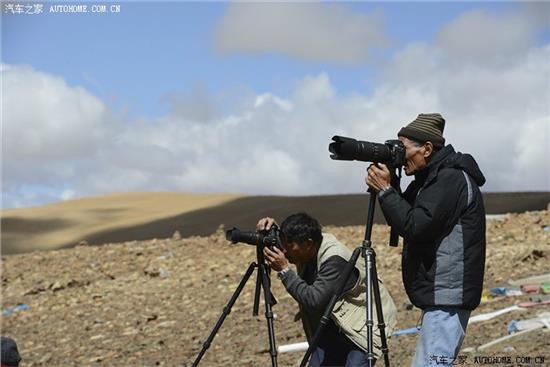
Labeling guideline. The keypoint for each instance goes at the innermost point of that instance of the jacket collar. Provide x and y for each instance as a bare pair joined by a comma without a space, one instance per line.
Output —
425,176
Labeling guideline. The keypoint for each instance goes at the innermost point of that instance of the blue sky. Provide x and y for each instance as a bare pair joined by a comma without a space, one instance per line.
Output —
160,74
135,57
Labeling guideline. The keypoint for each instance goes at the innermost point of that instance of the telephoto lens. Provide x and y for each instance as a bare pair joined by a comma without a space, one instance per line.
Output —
270,238
391,153
235,235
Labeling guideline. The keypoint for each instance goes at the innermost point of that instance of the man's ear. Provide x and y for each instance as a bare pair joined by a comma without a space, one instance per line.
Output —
428,149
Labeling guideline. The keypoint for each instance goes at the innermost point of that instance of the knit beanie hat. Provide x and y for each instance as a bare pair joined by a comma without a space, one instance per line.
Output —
426,127
10,354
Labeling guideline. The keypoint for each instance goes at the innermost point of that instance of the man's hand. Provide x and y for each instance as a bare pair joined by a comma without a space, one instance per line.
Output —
265,223
275,259
378,177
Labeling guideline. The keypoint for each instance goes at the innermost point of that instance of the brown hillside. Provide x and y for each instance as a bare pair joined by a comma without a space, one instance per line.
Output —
142,216
67,223
148,303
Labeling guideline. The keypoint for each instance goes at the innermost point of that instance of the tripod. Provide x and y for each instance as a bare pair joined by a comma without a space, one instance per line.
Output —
262,281
373,289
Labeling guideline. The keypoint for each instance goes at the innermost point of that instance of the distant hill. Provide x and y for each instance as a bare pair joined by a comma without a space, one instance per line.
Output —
67,223
142,216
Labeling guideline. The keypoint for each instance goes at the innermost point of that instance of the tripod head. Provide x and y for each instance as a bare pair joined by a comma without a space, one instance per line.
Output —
268,238
260,260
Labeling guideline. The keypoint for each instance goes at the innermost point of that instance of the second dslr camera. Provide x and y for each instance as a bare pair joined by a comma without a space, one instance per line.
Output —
270,238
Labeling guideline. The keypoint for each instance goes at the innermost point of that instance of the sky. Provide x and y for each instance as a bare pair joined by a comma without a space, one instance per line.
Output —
244,97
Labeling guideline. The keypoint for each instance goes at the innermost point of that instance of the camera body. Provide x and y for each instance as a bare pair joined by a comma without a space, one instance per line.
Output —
270,238
391,153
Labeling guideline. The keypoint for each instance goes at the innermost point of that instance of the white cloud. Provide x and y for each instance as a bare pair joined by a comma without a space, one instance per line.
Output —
69,145
34,103
269,98
48,127
530,156
481,38
197,105
312,31
68,195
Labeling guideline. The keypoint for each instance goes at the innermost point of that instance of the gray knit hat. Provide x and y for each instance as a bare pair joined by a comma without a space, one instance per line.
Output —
426,127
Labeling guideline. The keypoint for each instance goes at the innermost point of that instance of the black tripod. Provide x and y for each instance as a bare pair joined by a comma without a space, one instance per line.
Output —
372,286
262,281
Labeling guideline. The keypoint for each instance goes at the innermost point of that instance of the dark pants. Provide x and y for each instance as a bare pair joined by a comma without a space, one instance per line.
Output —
335,349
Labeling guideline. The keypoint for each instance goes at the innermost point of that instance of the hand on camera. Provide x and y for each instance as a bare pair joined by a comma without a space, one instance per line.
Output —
265,223
378,177
276,259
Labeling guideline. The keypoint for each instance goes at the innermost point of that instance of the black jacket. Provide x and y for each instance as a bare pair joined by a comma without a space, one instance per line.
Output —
442,220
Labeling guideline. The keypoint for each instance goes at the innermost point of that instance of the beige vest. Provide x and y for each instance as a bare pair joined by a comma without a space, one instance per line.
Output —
350,312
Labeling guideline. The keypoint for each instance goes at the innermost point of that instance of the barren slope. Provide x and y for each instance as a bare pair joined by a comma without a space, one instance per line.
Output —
67,223
143,216
147,303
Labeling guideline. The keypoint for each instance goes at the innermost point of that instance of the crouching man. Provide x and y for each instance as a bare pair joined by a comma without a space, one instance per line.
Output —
320,260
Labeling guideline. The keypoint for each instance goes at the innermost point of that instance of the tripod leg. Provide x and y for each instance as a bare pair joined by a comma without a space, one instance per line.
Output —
326,316
372,284
367,254
379,312
262,270
257,291
226,311
373,288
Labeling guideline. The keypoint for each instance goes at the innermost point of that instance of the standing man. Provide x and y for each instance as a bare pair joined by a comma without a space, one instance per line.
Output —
441,218
320,259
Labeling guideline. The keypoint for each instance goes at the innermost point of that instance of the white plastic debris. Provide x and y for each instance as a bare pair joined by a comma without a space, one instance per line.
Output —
296,347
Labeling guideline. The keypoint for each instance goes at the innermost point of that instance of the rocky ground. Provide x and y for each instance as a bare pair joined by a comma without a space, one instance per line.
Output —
154,302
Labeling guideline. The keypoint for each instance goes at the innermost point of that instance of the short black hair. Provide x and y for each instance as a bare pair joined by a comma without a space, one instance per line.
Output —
300,227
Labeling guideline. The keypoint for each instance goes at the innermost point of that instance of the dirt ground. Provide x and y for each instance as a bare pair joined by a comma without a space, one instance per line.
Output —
153,303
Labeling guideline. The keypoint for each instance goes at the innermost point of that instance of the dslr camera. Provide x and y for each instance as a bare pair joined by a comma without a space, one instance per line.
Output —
391,153
269,238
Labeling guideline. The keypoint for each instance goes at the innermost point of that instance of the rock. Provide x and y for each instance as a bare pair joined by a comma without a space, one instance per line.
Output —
534,255
152,271
166,324
57,286
220,231
34,290
152,318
